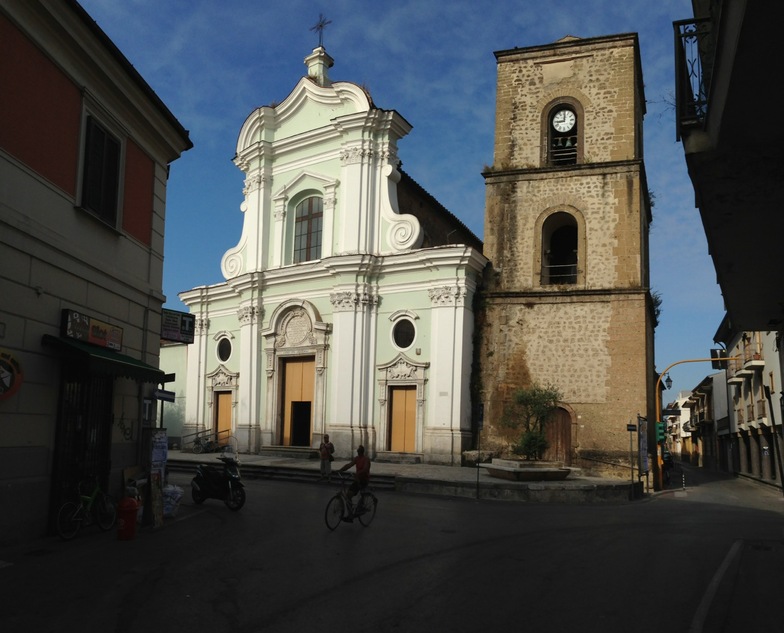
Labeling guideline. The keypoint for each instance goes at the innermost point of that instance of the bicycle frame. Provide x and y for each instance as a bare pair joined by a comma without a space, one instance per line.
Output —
364,509
84,509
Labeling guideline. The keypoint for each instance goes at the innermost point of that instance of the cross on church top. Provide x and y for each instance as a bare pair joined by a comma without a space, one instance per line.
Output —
319,28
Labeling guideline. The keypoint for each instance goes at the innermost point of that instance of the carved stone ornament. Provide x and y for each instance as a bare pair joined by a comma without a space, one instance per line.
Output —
402,370
444,295
295,329
344,301
247,314
201,326
221,378
353,155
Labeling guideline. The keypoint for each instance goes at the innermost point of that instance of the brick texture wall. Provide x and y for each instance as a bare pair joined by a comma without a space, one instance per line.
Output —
593,340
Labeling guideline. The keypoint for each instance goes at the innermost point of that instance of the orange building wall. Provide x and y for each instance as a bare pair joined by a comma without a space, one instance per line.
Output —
138,194
40,110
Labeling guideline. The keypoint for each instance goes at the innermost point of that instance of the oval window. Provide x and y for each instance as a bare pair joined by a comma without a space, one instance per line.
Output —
224,349
404,333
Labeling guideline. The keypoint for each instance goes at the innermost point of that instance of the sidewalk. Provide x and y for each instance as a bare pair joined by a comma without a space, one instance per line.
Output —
469,482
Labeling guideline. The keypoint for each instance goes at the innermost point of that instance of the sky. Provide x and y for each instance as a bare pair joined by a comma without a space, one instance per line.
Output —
213,62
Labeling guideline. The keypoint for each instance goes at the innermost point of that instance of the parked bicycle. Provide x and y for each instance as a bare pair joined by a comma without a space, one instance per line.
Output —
340,508
96,507
205,445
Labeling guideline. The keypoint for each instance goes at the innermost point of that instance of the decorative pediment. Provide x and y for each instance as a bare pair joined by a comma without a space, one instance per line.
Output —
222,378
403,369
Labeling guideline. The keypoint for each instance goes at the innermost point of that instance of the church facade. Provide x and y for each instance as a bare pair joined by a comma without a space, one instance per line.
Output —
349,301
347,305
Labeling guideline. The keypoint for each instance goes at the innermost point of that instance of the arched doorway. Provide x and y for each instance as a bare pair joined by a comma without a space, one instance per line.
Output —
559,437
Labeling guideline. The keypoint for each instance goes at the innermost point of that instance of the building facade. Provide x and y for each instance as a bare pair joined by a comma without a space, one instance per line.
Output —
348,302
85,147
750,443
567,300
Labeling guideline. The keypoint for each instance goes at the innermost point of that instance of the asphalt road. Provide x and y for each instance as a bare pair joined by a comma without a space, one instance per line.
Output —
705,558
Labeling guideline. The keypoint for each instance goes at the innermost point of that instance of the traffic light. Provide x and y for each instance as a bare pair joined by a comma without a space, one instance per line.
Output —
660,437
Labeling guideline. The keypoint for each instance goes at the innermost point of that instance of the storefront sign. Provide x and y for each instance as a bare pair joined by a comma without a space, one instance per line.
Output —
87,329
177,326
10,374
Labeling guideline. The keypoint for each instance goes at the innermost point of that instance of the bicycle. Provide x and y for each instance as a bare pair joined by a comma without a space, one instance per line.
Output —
96,506
340,508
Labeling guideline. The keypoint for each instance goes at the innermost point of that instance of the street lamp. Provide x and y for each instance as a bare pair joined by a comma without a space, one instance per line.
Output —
665,378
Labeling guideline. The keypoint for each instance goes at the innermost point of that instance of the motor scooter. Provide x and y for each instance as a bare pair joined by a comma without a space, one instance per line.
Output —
213,482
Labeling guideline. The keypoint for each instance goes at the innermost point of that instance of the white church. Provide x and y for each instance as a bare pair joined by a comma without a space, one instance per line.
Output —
347,306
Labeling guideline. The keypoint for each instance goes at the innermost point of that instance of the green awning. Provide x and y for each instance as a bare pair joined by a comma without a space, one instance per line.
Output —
103,361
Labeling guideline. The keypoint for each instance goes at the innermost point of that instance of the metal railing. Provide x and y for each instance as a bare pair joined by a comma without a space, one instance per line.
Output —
559,274
693,60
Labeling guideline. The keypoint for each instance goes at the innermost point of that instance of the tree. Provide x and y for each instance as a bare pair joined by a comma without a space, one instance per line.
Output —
528,415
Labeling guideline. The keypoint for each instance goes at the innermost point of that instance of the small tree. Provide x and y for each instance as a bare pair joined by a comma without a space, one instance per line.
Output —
528,415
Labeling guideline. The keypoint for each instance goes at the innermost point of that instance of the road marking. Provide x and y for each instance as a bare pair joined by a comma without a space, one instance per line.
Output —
707,598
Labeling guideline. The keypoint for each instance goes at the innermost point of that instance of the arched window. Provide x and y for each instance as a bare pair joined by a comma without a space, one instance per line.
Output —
560,248
307,229
562,135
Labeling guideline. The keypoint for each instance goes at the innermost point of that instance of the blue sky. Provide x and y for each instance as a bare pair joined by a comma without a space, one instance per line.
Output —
214,61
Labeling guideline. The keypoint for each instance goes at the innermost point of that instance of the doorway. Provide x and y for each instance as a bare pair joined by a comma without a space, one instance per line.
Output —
402,419
558,433
298,389
223,408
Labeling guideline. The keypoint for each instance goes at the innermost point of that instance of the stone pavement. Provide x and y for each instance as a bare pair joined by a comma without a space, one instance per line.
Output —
469,482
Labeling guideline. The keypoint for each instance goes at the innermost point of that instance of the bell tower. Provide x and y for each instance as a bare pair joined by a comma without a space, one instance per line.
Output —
567,301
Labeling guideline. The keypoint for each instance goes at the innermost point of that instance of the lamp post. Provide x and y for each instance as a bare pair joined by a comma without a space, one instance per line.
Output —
665,376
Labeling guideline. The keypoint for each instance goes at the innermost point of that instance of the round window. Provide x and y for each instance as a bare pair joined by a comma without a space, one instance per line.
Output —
403,333
224,349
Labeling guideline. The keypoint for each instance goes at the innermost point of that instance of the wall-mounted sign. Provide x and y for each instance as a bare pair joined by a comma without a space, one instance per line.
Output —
10,374
87,329
177,326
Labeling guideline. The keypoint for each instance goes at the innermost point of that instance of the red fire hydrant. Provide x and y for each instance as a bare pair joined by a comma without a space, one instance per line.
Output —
127,511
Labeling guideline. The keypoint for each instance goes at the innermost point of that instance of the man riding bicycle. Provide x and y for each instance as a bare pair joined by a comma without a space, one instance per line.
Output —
362,474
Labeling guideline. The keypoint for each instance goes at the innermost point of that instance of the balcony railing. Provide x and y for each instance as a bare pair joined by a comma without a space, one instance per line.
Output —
760,409
693,60
559,274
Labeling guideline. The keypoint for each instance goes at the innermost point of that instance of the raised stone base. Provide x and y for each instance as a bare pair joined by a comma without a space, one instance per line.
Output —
518,470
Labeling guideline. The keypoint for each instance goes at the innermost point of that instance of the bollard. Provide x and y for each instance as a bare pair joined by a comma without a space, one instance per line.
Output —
127,511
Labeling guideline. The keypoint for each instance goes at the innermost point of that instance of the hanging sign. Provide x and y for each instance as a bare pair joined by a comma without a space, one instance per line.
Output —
177,326
10,374
87,329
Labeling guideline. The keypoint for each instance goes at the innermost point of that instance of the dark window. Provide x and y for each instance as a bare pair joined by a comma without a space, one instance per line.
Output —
224,349
307,230
404,333
101,177
562,132
559,241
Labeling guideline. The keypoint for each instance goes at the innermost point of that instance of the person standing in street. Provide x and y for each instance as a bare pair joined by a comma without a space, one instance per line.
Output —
326,448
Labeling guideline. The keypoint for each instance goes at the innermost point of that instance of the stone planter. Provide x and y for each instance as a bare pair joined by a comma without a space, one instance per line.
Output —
526,470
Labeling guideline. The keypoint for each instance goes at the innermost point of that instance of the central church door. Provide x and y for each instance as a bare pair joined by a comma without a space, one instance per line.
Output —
298,382
402,420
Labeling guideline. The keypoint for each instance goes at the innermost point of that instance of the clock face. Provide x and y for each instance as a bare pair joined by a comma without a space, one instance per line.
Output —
564,120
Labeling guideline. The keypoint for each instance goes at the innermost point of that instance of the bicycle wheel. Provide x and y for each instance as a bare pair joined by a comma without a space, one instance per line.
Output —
197,448
334,513
367,508
69,520
105,511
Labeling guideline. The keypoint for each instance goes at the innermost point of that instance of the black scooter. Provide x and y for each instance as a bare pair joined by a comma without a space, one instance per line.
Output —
212,482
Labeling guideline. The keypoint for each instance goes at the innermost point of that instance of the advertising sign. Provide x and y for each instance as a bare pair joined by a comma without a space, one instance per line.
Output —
177,326
10,374
87,329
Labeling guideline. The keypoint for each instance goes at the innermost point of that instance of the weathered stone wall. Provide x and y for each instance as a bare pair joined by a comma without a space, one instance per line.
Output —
599,74
593,339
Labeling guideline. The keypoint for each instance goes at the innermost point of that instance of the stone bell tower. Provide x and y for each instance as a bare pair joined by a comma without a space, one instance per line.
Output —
567,301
